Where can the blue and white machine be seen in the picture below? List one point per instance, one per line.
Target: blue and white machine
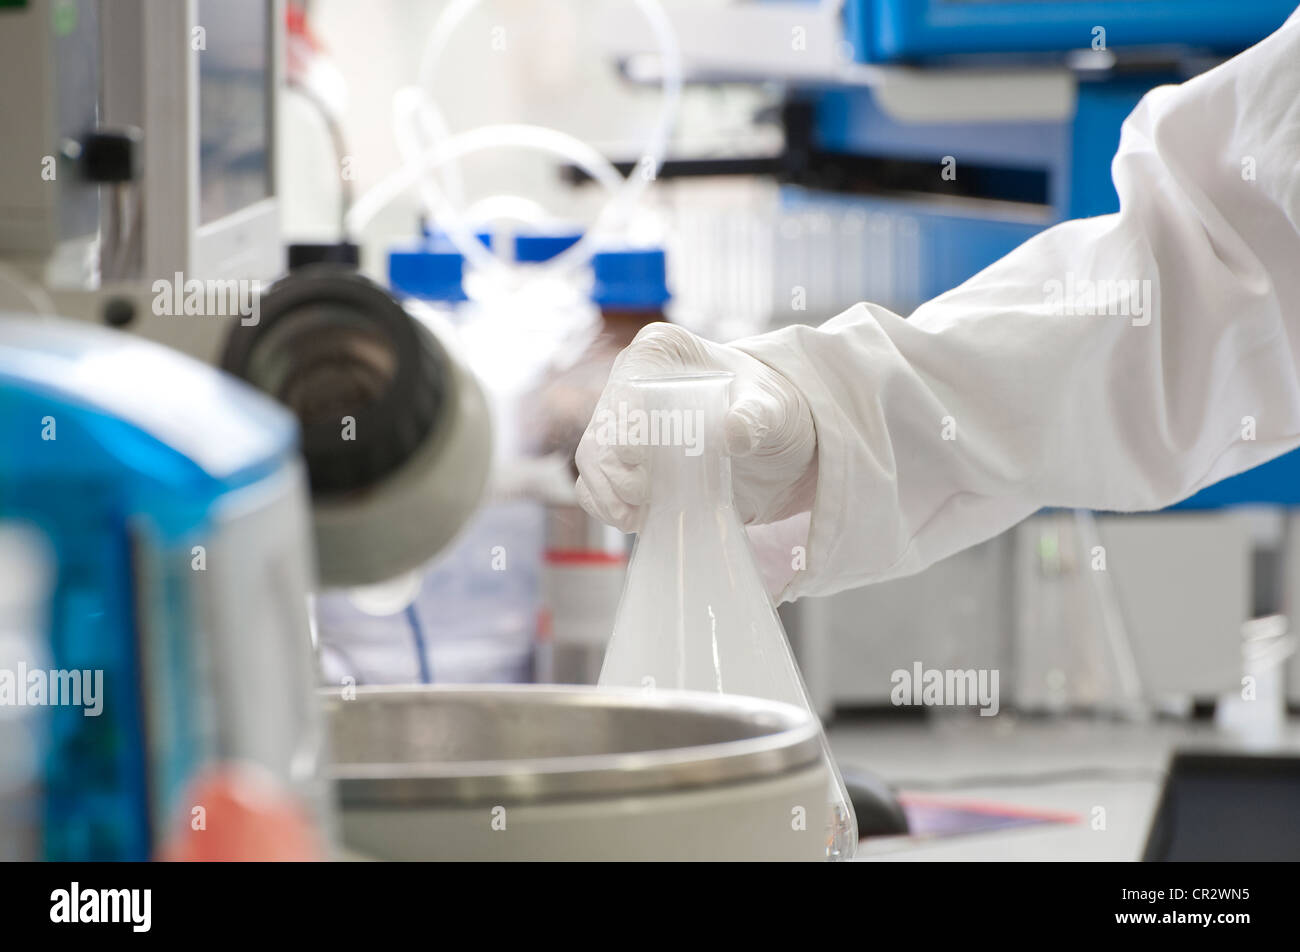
(895, 31)
(166, 505)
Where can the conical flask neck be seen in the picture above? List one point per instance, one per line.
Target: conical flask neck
(682, 483)
(681, 420)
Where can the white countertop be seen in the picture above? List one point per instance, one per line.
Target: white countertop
(1090, 763)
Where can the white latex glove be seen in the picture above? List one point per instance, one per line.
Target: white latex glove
(769, 433)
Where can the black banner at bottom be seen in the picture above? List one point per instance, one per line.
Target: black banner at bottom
(341, 901)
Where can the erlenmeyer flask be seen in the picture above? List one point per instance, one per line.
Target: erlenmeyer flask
(694, 613)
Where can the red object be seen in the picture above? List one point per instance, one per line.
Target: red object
(992, 807)
(584, 557)
(295, 22)
(238, 813)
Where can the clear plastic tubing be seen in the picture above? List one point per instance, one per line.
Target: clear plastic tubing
(694, 613)
(627, 192)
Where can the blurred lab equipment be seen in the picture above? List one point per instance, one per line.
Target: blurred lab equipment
(509, 328)
(467, 616)
(586, 559)
(427, 148)
(521, 315)
(114, 104)
(855, 42)
(25, 565)
(892, 31)
(1286, 555)
(395, 428)
(168, 507)
(508, 338)
(1219, 806)
(543, 361)
(431, 270)
(1173, 587)
(582, 580)
(469, 613)
(398, 440)
(528, 772)
(694, 613)
(630, 288)
(188, 230)
(1255, 710)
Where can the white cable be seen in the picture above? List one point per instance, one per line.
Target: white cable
(434, 127)
(439, 36)
(515, 208)
(647, 169)
(517, 135)
(419, 125)
(451, 220)
(414, 139)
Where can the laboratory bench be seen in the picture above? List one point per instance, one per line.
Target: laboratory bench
(1053, 773)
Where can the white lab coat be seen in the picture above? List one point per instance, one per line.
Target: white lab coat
(997, 398)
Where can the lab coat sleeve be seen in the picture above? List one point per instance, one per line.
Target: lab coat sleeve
(1014, 391)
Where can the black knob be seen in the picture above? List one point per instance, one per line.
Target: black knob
(110, 155)
(305, 253)
(119, 312)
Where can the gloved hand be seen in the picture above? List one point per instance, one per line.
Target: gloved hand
(769, 433)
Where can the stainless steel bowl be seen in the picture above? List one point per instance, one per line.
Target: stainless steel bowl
(585, 772)
(462, 744)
